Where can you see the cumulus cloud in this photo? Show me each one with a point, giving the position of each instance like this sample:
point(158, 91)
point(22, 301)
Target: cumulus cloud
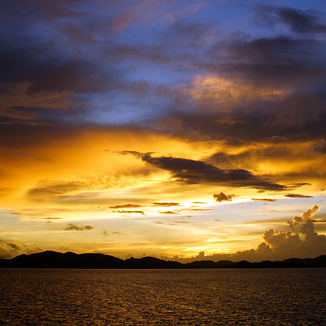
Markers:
point(10, 249)
point(223, 197)
point(305, 243)
point(74, 227)
point(290, 244)
point(305, 217)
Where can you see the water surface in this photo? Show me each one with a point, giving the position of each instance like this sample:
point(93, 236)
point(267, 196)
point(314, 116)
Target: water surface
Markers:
point(163, 297)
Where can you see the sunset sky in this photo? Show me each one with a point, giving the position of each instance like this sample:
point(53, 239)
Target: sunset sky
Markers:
point(170, 128)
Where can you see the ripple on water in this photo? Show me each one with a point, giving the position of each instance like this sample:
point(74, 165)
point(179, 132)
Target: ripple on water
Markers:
point(163, 297)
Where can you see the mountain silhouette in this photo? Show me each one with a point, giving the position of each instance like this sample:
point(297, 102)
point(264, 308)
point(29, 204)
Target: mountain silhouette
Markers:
point(53, 259)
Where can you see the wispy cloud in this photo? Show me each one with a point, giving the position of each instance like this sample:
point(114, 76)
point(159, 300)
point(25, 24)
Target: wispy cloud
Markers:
point(74, 227)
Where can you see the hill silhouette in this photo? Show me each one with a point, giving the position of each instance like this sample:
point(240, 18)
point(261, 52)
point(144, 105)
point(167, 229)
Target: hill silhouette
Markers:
point(53, 259)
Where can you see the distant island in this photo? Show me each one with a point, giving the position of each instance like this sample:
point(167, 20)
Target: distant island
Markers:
point(52, 259)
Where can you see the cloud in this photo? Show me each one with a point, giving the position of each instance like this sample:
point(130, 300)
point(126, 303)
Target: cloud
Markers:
point(305, 217)
point(131, 212)
point(306, 243)
point(320, 146)
point(10, 249)
point(125, 206)
point(195, 172)
point(52, 218)
point(134, 153)
point(85, 187)
point(74, 227)
point(14, 246)
point(263, 199)
point(223, 197)
point(170, 212)
point(259, 99)
point(52, 187)
point(166, 204)
point(297, 196)
point(106, 233)
point(300, 21)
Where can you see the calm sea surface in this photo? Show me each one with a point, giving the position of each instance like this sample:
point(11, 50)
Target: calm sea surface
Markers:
point(163, 297)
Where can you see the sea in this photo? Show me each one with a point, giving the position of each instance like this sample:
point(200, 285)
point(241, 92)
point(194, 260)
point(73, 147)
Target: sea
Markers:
point(163, 297)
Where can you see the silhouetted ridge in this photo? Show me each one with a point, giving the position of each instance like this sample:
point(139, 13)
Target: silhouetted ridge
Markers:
point(150, 262)
point(53, 259)
point(210, 264)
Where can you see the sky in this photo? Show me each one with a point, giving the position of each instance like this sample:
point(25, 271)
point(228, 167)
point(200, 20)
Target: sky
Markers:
point(183, 130)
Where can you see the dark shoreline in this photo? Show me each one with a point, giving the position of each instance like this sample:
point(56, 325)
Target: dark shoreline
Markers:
point(52, 259)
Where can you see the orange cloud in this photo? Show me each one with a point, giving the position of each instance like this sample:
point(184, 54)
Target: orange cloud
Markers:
point(210, 89)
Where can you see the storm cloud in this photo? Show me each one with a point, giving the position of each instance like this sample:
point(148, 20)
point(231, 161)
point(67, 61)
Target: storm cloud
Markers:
point(194, 172)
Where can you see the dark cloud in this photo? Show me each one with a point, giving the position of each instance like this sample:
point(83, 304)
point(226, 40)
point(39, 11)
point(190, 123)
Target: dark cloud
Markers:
point(263, 199)
point(131, 212)
point(300, 21)
point(125, 206)
point(270, 151)
point(36, 62)
point(297, 196)
point(134, 153)
point(320, 146)
point(165, 204)
point(74, 227)
point(282, 60)
point(223, 197)
point(14, 246)
point(169, 212)
point(261, 121)
point(195, 172)
point(52, 218)
point(293, 68)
